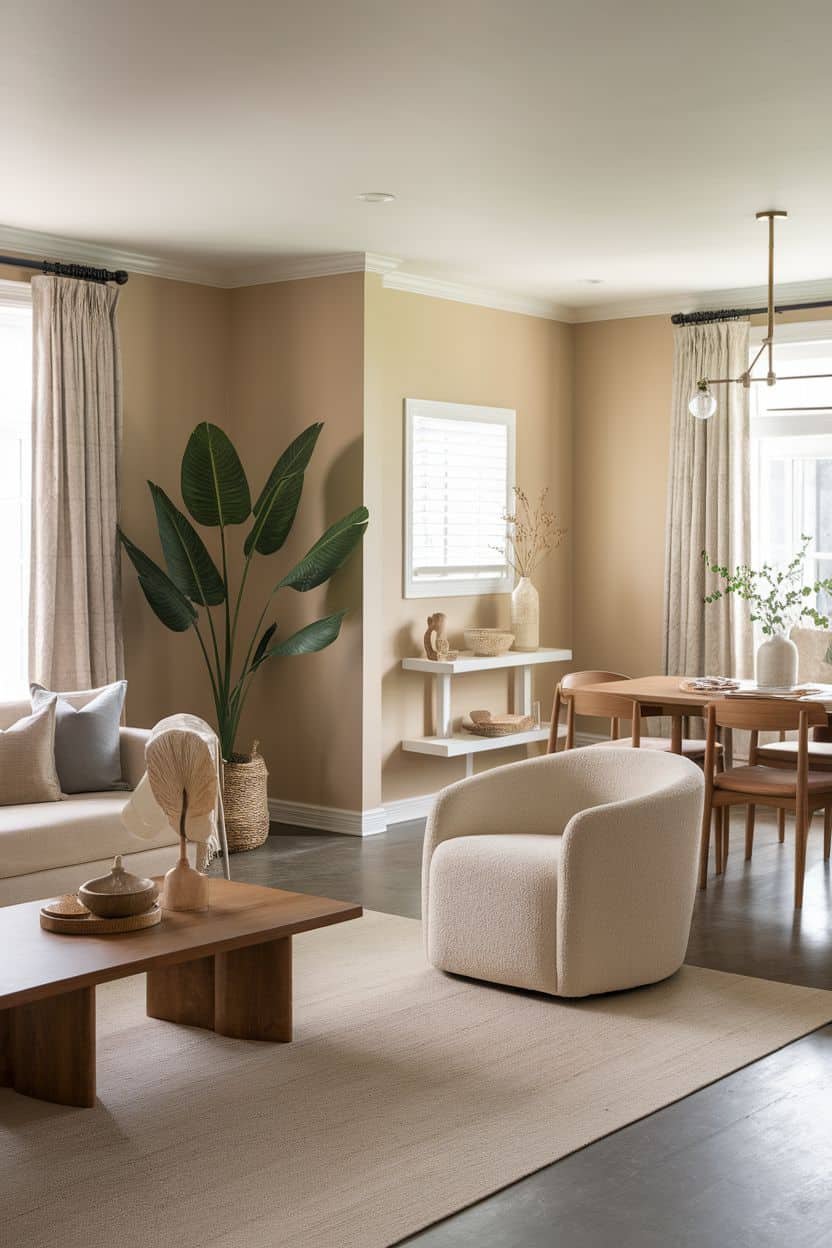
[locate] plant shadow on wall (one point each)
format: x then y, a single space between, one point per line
216 493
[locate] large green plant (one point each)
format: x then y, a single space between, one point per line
216 493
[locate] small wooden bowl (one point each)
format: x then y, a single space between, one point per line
118 895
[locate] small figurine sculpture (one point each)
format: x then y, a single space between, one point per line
436 643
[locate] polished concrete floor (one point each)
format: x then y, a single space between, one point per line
744 1162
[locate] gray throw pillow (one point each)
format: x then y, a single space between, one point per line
87 743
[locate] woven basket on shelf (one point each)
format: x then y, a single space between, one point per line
245 799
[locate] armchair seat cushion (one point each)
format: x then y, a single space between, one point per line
493 902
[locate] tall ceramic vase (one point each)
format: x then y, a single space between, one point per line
525 615
777 661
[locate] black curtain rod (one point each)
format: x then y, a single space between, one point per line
55 267
734 314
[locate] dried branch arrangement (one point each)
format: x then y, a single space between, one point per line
533 533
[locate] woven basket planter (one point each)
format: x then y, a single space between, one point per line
245 798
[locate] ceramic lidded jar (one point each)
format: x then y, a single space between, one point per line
119 894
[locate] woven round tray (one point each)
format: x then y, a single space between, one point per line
499 726
67 916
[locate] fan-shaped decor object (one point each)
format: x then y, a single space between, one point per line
183 770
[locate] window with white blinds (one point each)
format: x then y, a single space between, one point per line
459 470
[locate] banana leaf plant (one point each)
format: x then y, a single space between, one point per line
216 493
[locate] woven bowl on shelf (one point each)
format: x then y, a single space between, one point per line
488 642
484 724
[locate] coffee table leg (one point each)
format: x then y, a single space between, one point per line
183 993
253 991
50 1048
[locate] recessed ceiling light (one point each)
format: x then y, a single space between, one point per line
377 197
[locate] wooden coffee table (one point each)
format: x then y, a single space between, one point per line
228 969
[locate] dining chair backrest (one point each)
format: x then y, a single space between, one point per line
766 714
756 715
572 695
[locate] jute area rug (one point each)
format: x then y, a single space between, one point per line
406 1095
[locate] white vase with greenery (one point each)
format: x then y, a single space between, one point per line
779 599
533 533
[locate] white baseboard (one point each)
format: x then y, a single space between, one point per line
367 822
350 822
328 818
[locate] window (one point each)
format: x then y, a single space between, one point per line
459 472
15 484
791 445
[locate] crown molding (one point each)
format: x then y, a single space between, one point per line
459 292
742 296
55 247
32 243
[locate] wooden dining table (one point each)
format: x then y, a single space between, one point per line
678 703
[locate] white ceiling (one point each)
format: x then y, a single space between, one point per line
532 144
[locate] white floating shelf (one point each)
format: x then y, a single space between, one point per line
470 662
461 743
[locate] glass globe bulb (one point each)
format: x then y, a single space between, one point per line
703 404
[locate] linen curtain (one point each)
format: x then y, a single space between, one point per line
75 639
708 506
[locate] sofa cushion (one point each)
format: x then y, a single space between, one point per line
27 760
87 749
83 828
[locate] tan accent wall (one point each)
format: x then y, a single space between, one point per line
623 372
623 381
296 356
174 345
418 347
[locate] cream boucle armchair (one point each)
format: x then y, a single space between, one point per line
571 874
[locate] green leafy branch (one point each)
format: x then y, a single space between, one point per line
777 595
216 494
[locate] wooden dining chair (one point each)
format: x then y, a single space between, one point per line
799 790
564 702
783 753
573 697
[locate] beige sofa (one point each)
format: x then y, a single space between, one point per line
50 848
570 874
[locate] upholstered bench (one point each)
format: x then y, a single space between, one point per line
570 874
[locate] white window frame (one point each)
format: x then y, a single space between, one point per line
797 434
465 412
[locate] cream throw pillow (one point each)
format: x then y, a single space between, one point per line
27 760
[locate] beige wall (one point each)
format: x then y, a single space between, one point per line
623 379
296 356
174 344
418 347
623 375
